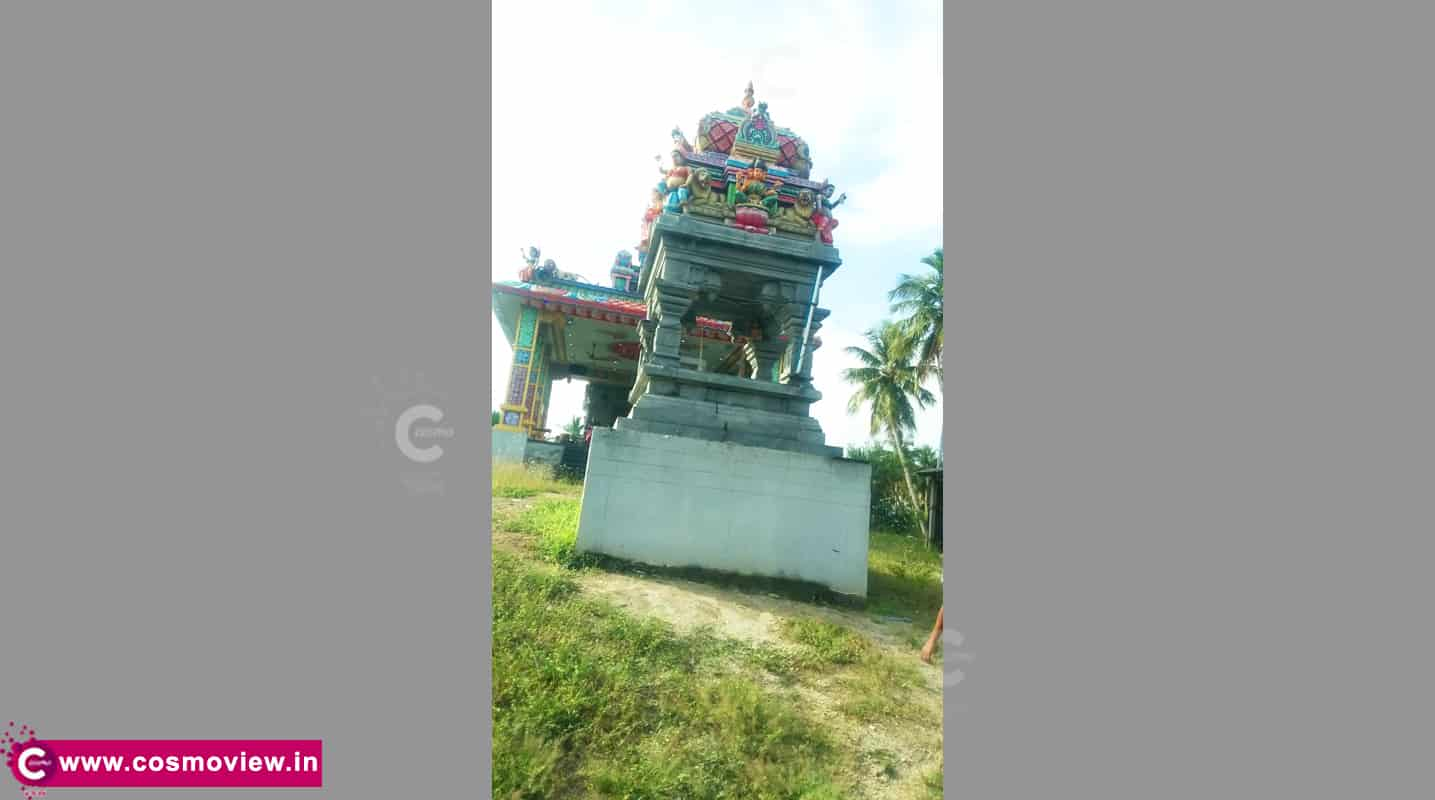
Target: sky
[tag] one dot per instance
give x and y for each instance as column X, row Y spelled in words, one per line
column 585, row 94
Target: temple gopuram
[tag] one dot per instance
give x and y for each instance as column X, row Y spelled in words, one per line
column 743, row 172
column 697, row 355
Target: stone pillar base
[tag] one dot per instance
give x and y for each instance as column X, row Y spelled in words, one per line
column 725, row 408
column 509, row 446
column 676, row 501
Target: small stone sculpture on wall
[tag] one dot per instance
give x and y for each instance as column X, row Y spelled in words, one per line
column 822, row 218
column 530, row 267
column 675, row 185
column 702, row 199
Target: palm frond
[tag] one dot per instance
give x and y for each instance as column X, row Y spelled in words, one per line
column 865, row 357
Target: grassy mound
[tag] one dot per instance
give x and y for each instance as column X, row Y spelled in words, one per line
column 591, row 702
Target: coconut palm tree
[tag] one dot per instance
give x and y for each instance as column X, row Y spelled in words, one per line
column 574, row 428
column 918, row 301
column 890, row 384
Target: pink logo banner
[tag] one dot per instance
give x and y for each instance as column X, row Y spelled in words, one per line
column 167, row 763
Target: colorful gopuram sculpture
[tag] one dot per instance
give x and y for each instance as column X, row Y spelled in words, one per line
column 744, row 175
column 748, row 240
column 746, row 172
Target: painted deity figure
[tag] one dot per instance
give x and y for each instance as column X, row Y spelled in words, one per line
column 530, row 259
column 655, row 207
column 752, row 188
column 674, row 184
column 549, row 270
column 822, row 216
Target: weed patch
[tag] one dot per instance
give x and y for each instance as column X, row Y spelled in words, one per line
column 876, row 687
column 775, row 660
column 933, row 784
column 880, row 688
column 527, row 480
column 591, row 702
column 554, row 523
column 826, row 642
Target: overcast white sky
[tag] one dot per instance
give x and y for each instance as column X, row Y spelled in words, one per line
column 586, row 93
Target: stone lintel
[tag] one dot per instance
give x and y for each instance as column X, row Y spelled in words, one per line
column 688, row 241
column 729, row 383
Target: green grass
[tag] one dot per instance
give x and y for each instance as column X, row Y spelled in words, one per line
column 904, row 580
column 933, row 784
column 885, row 760
column 527, row 480
column 880, row 688
column 780, row 662
column 826, row 642
column 591, row 702
column 875, row 686
column 553, row 522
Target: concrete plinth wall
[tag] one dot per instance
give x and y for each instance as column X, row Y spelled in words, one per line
column 677, row 501
column 509, row 446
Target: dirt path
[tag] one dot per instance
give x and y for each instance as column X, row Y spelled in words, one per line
column 898, row 757
column 753, row 618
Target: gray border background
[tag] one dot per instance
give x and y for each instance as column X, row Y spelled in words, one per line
column 1188, row 381
column 238, row 239
column 1190, row 399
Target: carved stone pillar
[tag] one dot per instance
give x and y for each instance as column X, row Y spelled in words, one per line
column 781, row 327
column 795, row 373
column 766, row 354
column 669, row 305
column 647, row 329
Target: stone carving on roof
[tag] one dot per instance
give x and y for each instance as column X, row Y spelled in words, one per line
column 745, row 171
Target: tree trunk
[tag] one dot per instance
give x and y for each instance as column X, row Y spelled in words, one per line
column 917, row 507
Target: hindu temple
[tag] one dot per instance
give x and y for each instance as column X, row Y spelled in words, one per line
column 698, row 359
